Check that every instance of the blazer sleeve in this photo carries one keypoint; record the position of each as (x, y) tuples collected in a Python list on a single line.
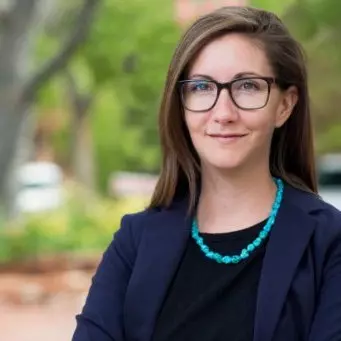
[(102, 315), (327, 321)]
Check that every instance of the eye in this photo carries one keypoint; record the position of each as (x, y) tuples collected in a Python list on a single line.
[(249, 85), (200, 86)]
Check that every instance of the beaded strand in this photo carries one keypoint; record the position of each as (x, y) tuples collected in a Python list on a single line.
[(245, 253)]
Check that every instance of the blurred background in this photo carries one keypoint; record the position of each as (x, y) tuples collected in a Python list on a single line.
[(80, 85)]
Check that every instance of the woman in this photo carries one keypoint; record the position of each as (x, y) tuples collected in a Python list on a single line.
[(236, 244)]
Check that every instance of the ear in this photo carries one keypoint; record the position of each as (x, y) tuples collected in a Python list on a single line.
[(286, 105)]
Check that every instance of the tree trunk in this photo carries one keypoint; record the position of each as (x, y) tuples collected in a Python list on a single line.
[(17, 89), (82, 158), (82, 151), (14, 61)]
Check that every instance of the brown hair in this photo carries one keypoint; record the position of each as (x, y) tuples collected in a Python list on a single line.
[(292, 152)]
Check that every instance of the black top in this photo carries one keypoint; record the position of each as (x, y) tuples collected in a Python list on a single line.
[(209, 301)]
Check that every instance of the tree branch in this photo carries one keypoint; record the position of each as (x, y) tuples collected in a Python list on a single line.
[(80, 102), (7, 11), (19, 19), (59, 61), (4, 15)]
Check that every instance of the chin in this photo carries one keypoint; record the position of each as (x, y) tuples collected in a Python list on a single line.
[(226, 163)]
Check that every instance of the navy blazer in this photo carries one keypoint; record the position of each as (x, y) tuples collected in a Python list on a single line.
[(299, 294)]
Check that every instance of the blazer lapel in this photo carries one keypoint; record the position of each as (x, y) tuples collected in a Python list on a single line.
[(163, 244), (159, 254), (288, 240)]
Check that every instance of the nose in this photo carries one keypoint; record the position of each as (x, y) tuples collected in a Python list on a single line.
[(224, 111)]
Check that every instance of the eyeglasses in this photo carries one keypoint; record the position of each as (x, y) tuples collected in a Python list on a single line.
[(250, 93)]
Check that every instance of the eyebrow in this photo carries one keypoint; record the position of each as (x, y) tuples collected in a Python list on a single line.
[(236, 76)]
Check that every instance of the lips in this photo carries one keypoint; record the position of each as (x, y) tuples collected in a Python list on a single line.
[(226, 138), (226, 135)]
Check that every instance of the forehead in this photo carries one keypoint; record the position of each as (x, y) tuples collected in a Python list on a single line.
[(229, 55)]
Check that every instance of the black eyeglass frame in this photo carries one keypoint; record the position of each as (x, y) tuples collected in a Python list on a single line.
[(228, 86)]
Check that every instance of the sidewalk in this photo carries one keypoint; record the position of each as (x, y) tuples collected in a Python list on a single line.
[(39, 323), (41, 307)]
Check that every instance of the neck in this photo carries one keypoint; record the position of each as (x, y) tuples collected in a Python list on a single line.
[(230, 202)]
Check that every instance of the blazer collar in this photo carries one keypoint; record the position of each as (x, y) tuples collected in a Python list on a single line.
[(159, 254), (163, 245), (288, 240)]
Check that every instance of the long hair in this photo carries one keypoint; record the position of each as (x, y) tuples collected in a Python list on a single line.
[(292, 150)]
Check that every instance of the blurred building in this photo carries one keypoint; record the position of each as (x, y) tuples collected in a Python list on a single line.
[(187, 10), (125, 184)]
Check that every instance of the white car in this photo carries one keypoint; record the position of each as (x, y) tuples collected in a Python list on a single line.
[(329, 172), (40, 187)]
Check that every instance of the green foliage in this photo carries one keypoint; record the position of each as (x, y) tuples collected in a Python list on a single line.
[(326, 11), (317, 25), (82, 225), (123, 64), (301, 21), (330, 140), (109, 134), (130, 48), (278, 7)]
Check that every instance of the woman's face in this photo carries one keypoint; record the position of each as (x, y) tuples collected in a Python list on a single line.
[(225, 136)]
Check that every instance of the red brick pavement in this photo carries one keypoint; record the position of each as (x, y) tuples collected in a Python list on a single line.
[(41, 307), (38, 323)]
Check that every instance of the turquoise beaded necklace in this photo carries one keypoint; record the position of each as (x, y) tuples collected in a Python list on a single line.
[(245, 253)]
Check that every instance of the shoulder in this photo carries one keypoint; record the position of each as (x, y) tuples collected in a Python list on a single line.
[(135, 225), (326, 217), (126, 239)]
